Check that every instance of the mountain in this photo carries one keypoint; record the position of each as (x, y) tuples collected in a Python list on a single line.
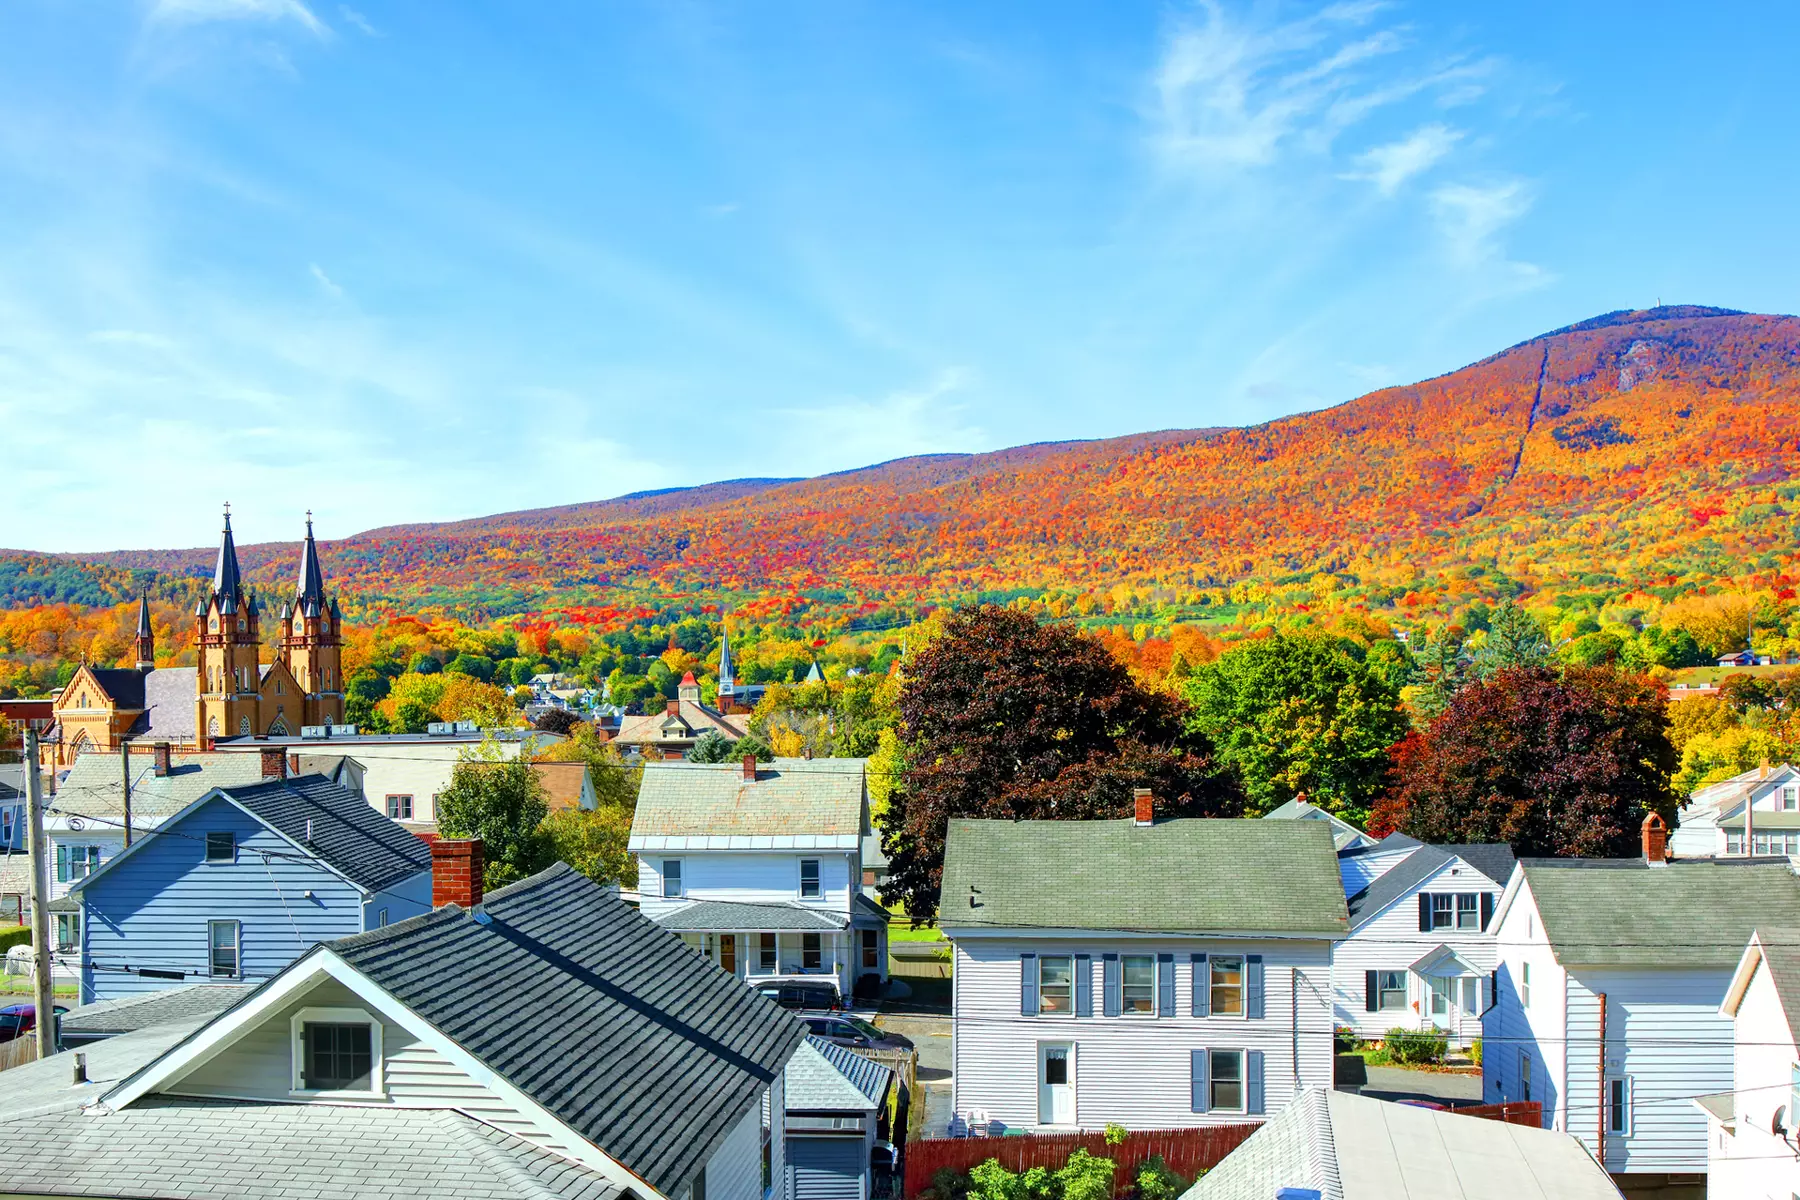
[(1634, 449)]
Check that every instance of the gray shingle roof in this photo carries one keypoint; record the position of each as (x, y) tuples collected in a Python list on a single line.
[(1417, 867), (1176, 875), (109, 1017), (345, 831), (1344, 834), (92, 788), (825, 1077), (709, 916), (613, 1024), (168, 714), (1781, 959), (1697, 912), (820, 804)]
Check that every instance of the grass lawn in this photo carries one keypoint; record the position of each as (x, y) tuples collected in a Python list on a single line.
[(20, 985)]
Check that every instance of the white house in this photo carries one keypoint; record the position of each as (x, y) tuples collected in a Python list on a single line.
[(1757, 812), (1610, 973), (496, 1052), (1346, 835), (1420, 952), (1149, 973), (759, 866), (1752, 1148)]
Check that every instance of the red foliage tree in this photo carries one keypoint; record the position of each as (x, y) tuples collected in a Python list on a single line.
[(1555, 763), (1007, 718)]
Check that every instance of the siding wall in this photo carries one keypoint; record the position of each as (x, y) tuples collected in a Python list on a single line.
[(110, 842), (1359, 870), (734, 1172), (1512, 1031), (408, 898), (828, 1168), (259, 1066), (1754, 1162), (1392, 941), (153, 910), (768, 877), (1132, 1070)]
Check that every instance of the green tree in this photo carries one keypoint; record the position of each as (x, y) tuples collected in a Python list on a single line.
[(593, 842), (713, 747), (1299, 713), (501, 801), (615, 784), (1514, 639), (424, 664), (471, 664)]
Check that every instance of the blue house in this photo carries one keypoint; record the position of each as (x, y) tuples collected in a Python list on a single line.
[(242, 882)]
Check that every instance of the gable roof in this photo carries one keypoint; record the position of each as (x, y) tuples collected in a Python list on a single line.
[(338, 826), (1775, 949), (1183, 875), (792, 803), (824, 1076), (565, 962), (1413, 870), (106, 1018), (697, 717), (92, 788), (564, 782), (1346, 835), (1695, 912), (168, 714), (1345, 1146), (124, 686)]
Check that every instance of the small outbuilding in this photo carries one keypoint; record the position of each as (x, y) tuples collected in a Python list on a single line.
[(836, 1106)]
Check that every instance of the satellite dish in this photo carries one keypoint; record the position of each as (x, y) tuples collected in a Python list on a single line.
[(1775, 1122)]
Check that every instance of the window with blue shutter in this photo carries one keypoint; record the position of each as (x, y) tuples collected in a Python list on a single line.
[(1028, 1000), (1201, 983), (1165, 985), (1109, 983), (1253, 1083), (1253, 986), (1197, 1084), (1084, 985)]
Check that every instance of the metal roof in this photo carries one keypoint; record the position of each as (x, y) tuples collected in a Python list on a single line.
[(791, 803), (1182, 875), (611, 1023), (726, 916)]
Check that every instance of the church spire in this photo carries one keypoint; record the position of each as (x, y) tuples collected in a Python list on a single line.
[(727, 676), (309, 592), (146, 637), (226, 581)]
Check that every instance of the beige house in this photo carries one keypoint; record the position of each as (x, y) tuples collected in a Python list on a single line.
[(670, 734)]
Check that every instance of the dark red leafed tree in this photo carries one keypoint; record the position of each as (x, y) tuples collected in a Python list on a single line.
[(1556, 763), (1004, 717)]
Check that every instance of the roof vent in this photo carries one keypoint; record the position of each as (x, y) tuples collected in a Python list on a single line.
[(440, 728), (480, 916)]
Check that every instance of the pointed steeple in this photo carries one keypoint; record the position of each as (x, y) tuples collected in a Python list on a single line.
[(226, 581), (727, 675), (146, 637), (309, 592), (813, 676), (143, 628)]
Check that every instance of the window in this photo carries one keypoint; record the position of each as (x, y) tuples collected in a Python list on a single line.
[(812, 958), (222, 940), (1390, 990), (1734, 842), (6, 820), (871, 956), (339, 1057), (76, 862), (765, 952), (1525, 985), (400, 808), (381, 919), (809, 879), (1226, 1079), (1227, 987), (68, 931), (1790, 798), (243, 726), (1524, 1076), (1056, 985), (1468, 911), (1137, 989), (1618, 1105), (671, 873), (221, 847), (1443, 915)]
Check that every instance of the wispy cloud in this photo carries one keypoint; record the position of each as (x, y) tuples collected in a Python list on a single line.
[(357, 20), (1389, 166), (237, 10), (856, 432), (325, 281), (1471, 216)]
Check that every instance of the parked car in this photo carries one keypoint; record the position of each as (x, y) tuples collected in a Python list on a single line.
[(803, 992), (17, 1020), (853, 1032)]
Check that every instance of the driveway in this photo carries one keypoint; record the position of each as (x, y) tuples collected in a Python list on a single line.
[(1445, 1087), (931, 1035)]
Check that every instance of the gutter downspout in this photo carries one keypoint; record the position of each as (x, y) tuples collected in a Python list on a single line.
[(1600, 1127)]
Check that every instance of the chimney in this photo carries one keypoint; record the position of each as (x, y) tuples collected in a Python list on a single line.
[(1655, 833), (1145, 805), (749, 768), (672, 709), (293, 764), (160, 759), (456, 868), (274, 763)]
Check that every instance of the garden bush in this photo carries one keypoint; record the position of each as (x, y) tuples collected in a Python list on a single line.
[(14, 937), (1413, 1047), (1085, 1177), (1155, 1181), (1475, 1052)]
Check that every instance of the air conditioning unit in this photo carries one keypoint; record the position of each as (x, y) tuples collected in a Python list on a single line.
[(314, 731), (467, 727), (440, 728)]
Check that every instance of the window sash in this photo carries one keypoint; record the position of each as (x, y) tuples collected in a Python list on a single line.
[(671, 878), (1226, 988), (812, 956), (1056, 984), (809, 879), (400, 807), (222, 945), (766, 957), (1390, 990), (871, 958), (339, 1057), (1225, 1079), (1137, 987), (1618, 1105), (1443, 911), (1468, 911), (68, 931), (1524, 985), (221, 847)]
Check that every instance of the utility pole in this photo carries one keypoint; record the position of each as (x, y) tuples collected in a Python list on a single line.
[(42, 990), (125, 784)]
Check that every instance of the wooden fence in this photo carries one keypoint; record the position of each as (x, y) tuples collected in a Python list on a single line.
[(1186, 1151), (19, 1051), (1518, 1112)]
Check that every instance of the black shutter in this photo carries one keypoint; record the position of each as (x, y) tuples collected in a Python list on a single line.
[(1371, 991), (1424, 912), (1487, 908), (1084, 985)]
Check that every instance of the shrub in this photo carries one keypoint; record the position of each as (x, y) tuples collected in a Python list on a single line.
[(1085, 1177), (1475, 1052), (1155, 1181), (991, 1181), (1414, 1046), (948, 1184), (1115, 1133), (14, 937), (1344, 1040)]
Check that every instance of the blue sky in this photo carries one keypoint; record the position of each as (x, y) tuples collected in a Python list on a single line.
[(417, 261)]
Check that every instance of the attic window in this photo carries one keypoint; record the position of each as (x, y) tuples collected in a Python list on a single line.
[(336, 1051), (221, 847)]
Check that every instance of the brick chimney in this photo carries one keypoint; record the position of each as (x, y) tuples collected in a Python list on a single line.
[(274, 762), (672, 708), (456, 867), (1144, 805), (1655, 834), (160, 759), (749, 768)]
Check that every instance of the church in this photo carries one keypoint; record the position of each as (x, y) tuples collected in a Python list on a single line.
[(231, 692)]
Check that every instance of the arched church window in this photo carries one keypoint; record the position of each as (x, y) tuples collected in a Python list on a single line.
[(244, 726), (213, 624), (278, 728), (212, 727)]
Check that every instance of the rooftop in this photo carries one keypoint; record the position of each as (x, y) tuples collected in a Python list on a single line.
[(797, 803), (176, 1004), (92, 791), (1493, 860), (825, 1077), (1183, 875), (728, 916)]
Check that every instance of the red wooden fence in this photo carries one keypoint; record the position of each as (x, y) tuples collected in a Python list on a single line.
[(1518, 1112), (1186, 1151)]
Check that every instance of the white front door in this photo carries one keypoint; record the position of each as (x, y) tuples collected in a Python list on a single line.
[(1471, 1004), (1056, 1084)]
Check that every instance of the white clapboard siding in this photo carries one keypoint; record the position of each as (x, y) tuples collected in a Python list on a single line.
[(1133, 1070), (734, 1172), (1392, 941), (1512, 1031), (1664, 1032), (761, 878), (1753, 1161)]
